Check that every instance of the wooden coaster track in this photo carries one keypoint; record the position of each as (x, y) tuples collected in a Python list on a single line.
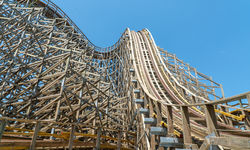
[(58, 90)]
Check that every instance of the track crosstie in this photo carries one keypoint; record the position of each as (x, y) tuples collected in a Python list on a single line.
[(58, 90)]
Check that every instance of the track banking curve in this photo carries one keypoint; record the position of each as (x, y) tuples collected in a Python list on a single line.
[(58, 89)]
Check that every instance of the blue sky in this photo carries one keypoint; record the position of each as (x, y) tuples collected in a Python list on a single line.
[(211, 35)]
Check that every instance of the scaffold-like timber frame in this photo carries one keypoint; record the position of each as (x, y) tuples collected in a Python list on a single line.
[(60, 91)]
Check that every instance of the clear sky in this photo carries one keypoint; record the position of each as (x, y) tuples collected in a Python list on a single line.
[(211, 35)]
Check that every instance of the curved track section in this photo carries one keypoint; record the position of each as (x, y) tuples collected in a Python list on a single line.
[(59, 90)]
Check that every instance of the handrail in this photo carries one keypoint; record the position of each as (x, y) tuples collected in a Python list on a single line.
[(221, 101)]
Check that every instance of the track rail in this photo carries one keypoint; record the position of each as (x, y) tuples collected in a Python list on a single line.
[(60, 90)]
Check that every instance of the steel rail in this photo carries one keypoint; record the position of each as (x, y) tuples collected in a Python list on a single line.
[(151, 86), (187, 104), (169, 91), (82, 87)]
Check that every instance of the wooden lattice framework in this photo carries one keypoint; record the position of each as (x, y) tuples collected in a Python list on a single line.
[(59, 90)]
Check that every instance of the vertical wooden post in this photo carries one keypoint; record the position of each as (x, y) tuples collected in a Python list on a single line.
[(211, 119), (196, 78), (193, 99), (2, 127), (33, 142), (98, 140), (226, 120), (248, 98), (222, 91), (119, 144), (159, 119), (170, 121), (247, 119), (151, 111), (186, 125), (212, 85), (159, 114), (71, 138), (142, 143), (138, 134)]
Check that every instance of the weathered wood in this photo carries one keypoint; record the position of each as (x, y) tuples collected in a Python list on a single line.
[(231, 142), (98, 139), (186, 125), (247, 119), (211, 119), (51, 72), (159, 120), (33, 142), (248, 99), (2, 127), (170, 120), (152, 137), (119, 145), (71, 137)]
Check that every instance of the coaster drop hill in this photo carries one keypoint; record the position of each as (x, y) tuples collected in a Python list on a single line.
[(58, 90)]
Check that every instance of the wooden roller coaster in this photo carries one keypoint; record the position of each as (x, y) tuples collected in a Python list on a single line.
[(60, 91)]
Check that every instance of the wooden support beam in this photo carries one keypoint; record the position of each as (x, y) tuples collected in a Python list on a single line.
[(47, 63), (225, 119), (151, 111), (71, 138), (239, 143), (98, 139), (159, 120), (205, 145), (186, 125), (159, 113), (119, 144), (2, 127), (211, 119), (248, 99), (33, 142), (247, 119), (170, 121), (193, 99), (222, 91)]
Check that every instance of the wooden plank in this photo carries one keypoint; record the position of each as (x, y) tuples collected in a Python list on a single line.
[(248, 99), (151, 111), (170, 121), (2, 127), (231, 142), (35, 134), (98, 139), (71, 138), (186, 125), (158, 112), (247, 119), (211, 119), (119, 144), (159, 120), (52, 145)]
